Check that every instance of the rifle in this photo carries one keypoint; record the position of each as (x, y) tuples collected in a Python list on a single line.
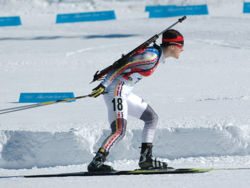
[(122, 61)]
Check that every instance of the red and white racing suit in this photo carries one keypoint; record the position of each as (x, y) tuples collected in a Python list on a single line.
[(121, 101)]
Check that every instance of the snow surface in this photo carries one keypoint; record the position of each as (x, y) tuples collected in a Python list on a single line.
[(202, 99)]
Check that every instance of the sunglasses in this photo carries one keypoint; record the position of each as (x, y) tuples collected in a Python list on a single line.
[(179, 45)]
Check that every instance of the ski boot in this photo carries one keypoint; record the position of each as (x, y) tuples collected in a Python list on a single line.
[(97, 164), (146, 162)]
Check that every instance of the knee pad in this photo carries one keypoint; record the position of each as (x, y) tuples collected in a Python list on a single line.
[(149, 115)]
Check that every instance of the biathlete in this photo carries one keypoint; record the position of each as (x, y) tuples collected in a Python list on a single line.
[(121, 101)]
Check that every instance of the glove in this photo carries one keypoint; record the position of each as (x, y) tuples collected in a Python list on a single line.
[(97, 91)]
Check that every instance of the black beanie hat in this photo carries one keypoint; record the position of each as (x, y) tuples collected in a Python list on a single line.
[(172, 37)]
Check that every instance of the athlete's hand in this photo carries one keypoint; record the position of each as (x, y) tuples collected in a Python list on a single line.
[(97, 91)]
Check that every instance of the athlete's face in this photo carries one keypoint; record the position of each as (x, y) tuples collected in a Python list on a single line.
[(173, 51), (176, 50)]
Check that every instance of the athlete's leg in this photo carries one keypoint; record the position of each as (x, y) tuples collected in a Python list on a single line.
[(117, 114), (115, 100), (141, 110)]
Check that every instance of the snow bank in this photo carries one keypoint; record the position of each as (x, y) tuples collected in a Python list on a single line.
[(26, 149)]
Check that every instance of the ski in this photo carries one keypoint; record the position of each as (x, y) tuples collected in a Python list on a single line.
[(125, 172), (128, 172)]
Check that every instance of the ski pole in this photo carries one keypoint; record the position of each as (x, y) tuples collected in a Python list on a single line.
[(25, 107)]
